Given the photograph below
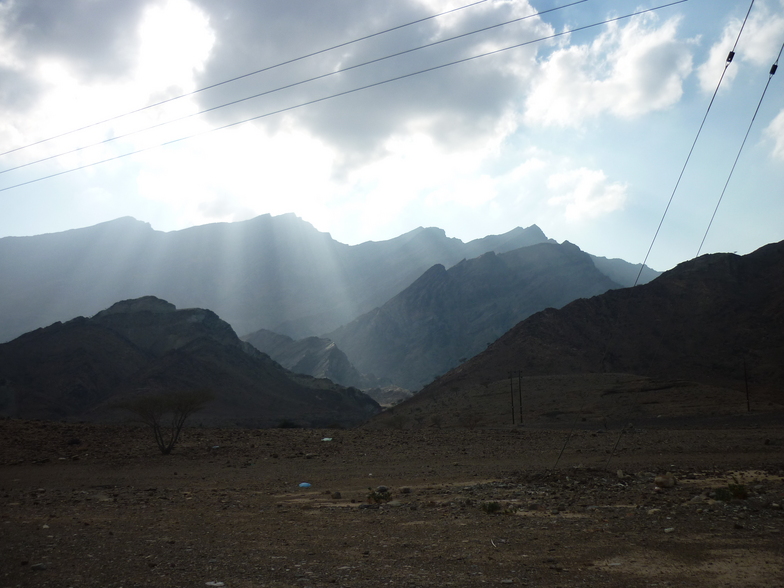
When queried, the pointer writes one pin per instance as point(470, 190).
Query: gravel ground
point(89, 505)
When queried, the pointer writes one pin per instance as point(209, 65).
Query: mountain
point(314, 356)
point(277, 273)
point(77, 369)
point(449, 315)
point(693, 341)
point(624, 273)
point(268, 272)
point(321, 358)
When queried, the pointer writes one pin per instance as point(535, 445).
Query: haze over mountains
point(453, 314)
point(277, 273)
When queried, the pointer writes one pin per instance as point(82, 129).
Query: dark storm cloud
point(452, 105)
point(96, 37)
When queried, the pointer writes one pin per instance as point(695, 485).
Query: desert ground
point(96, 505)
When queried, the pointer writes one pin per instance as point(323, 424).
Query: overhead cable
point(729, 59)
point(246, 75)
point(286, 87)
point(345, 93)
point(773, 69)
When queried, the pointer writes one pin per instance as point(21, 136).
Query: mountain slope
point(269, 272)
point(76, 369)
point(716, 321)
point(449, 315)
point(277, 273)
point(314, 356)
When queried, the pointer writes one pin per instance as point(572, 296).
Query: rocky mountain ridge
point(705, 338)
point(78, 369)
point(450, 315)
point(277, 273)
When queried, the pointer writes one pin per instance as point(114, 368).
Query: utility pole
point(520, 393)
point(511, 393)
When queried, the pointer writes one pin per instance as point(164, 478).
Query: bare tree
point(166, 414)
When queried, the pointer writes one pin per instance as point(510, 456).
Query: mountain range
point(449, 315)
point(706, 337)
point(276, 273)
point(79, 369)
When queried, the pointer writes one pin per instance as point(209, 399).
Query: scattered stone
point(665, 481)
point(669, 530)
point(39, 567)
point(336, 495)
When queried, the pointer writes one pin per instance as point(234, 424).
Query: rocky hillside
point(77, 369)
point(277, 273)
point(314, 356)
point(700, 335)
point(449, 315)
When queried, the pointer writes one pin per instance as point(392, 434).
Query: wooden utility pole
point(520, 393)
point(511, 393)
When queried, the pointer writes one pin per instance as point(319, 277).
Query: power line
point(243, 76)
point(344, 93)
point(730, 57)
point(773, 69)
point(286, 87)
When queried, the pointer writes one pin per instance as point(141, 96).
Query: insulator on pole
point(730, 56)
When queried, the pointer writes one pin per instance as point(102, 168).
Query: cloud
point(775, 131)
point(456, 106)
point(81, 62)
point(585, 194)
point(93, 37)
point(758, 45)
point(627, 71)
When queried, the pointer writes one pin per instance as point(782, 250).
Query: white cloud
point(775, 131)
point(626, 71)
point(758, 45)
point(585, 194)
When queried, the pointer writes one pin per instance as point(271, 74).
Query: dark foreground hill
point(697, 338)
point(449, 315)
point(77, 369)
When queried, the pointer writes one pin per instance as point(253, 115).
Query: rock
point(665, 481)
point(336, 495)
point(39, 567)
point(669, 530)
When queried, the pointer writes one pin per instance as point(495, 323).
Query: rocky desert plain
point(679, 503)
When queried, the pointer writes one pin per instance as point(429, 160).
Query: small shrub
point(738, 491)
point(379, 495)
point(491, 507)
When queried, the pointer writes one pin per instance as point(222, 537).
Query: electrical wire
point(286, 87)
point(773, 69)
point(246, 75)
point(730, 57)
point(344, 93)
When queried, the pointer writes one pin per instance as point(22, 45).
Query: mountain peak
point(143, 304)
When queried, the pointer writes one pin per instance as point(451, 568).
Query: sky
point(583, 133)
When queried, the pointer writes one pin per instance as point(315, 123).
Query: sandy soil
point(88, 505)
